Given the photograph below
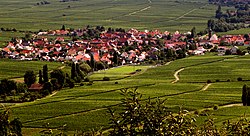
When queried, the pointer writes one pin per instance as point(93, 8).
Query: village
point(128, 47)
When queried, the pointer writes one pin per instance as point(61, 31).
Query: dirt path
point(168, 63)
point(176, 75)
point(231, 105)
point(205, 87)
point(135, 12)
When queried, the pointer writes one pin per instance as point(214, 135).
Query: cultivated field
point(83, 108)
point(170, 15)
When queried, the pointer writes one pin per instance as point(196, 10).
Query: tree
point(29, 78)
point(45, 73)
point(148, 117)
point(40, 77)
point(48, 86)
point(7, 86)
point(85, 67)
point(92, 62)
point(21, 88)
point(63, 27)
point(193, 32)
point(60, 76)
point(218, 12)
point(73, 71)
point(115, 58)
point(7, 127)
point(247, 7)
point(244, 95)
point(80, 73)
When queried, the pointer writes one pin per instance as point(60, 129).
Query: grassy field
point(170, 15)
point(15, 68)
point(85, 107)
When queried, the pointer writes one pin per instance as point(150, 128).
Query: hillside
point(85, 107)
point(169, 15)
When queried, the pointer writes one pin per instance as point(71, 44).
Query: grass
point(118, 72)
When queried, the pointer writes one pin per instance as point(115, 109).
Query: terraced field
point(84, 108)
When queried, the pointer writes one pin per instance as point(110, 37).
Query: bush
point(138, 70)
point(228, 80)
point(81, 84)
point(217, 80)
point(209, 81)
point(216, 107)
point(85, 67)
point(86, 79)
point(106, 78)
point(116, 82)
point(239, 79)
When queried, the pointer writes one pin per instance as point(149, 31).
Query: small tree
point(244, 95)
point(115, 58)
point(92, 62)
point(45, 73)
point(29, 78)
point(7, 86)
point(63, 27)
point(193, 32)
point(7, 127)
point(60, 76)
point(73, 71)
point(21, 88)
point(40, 77)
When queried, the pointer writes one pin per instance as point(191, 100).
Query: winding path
point(176, 75)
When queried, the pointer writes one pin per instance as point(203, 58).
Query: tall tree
point(115, 58)
point(244, 95)
point(218, 12)
point(193, 32)
point(29, 78)
point(73, 71)
point(92, 62)
point(63, 27)
point(40, 77)
point(45, 73)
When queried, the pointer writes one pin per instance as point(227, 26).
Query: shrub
point(209, 81)
point(85, 67)
point(106, 78)
point(239, 79)
point(216, 107)
point(81, 84)
point(148, 118)
point(197, 112)
point(86, 79)
point(138, 70)
point(217, 80)
point(116, 82)
point(228, 80)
